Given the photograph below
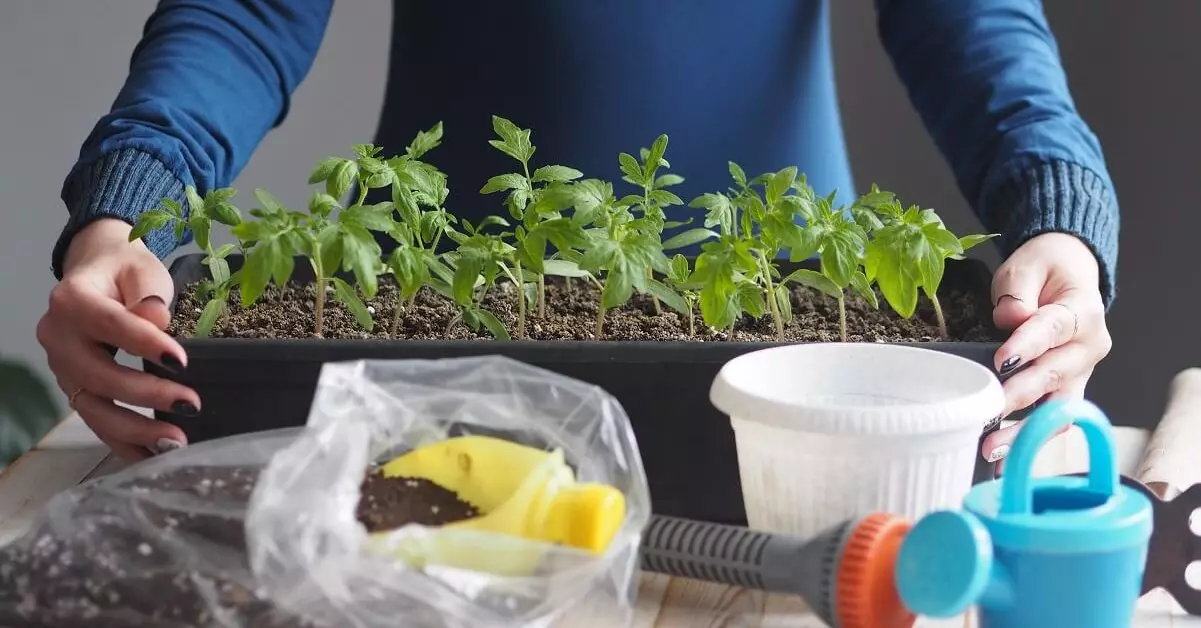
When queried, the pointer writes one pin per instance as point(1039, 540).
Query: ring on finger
point(1075, 318)
point(72, 396)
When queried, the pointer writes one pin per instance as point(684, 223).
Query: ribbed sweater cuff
point(1059, 197)
point(120, 185)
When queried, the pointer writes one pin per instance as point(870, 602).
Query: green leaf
point(751, 299)
point(815, 280)
point(720, 211)
point(409, 270)
point(896, 283)
point(564, 233)
point(737, 173)
point(322, 204)
point(969, 241)
point(208, 317)
point(150, 220)
point(425, 141)
point(347, 296)
point(219, 269)
point(665, 198)
point(27, 409)
point(467, 271)
point(201, 228)
point(779, 184)
point(688, 238)
point(619, 287)
point(361, 255)
point(631, 168)
point(863, 288)
point(224, 250)
point(492, 324)
point(376, 217)
point(173, 207)
point(668, 180)
point(256, 272)
point(563, 268)
point(556, 173)
point(195, 203)
point(840, 257)
point(668, 297)
point(343, 176)
point(784, 302)
point(269, 202)
point(224, 213)
point(324, 169)
point(655, 158)
point(678, 272)
point(502, 182)
point(802, 243)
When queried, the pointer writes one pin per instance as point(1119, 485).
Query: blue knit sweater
point(753, 84)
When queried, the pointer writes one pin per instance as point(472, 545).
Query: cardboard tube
point(1172, 459)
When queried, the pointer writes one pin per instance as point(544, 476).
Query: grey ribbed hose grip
point(742, 557)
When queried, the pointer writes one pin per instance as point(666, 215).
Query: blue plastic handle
point(1040, 427)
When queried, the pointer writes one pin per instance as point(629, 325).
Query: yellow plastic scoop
point(520, 491)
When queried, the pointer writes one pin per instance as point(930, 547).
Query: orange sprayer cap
point(865, 590)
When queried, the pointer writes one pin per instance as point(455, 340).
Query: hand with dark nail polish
point(113, 296)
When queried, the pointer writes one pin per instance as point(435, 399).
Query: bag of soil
point(297, 529)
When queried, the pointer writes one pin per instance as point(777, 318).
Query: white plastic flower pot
point(830, 431)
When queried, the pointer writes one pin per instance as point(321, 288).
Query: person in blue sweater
point(751, 82)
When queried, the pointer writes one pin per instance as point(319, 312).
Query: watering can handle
point(1170, 461)
point(1048, 420)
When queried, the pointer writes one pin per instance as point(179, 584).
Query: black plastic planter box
point(248, 385)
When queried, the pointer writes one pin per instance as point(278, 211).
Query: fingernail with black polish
point(171, 362)
point(185, 408)
point(1008, 365)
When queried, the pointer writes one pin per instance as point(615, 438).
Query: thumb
point(146, 289)
point(1015, 294)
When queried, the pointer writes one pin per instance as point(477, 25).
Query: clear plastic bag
point(260, 530)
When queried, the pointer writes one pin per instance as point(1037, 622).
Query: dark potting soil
point(389, 503)
point(103, 570)
point(571, 315)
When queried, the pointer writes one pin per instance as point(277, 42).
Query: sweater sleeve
point(207, 81)
point(986, 78)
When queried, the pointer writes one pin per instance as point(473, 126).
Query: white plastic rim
point(830, 432)
point(858, 388)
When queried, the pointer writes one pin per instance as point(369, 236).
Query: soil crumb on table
point(571, 315)
point(389, 503)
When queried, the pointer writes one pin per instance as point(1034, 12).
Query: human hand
point(114, 293)
point(1048, 294)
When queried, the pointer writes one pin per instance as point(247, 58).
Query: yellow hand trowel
point(529, 495)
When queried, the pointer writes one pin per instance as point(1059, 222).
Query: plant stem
point(691, 321)
point(600, 322)
point(319, 306)
point(650, 274)
point(771, 298)
point(730, 332)
point(541, 294)
point(942, 320)
point(570, 287)
point(842, 317)
point(396, 317)
point(520, 301)
point(362, 194)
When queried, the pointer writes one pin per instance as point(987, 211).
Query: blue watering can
point(1061, 552)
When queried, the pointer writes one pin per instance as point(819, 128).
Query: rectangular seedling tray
point(248, 385)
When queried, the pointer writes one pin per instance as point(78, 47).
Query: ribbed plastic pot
point(826, 432)
point(688, 448)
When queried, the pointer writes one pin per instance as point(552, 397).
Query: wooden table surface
point(70, 454)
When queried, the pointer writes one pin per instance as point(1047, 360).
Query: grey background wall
point(1133, 71)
